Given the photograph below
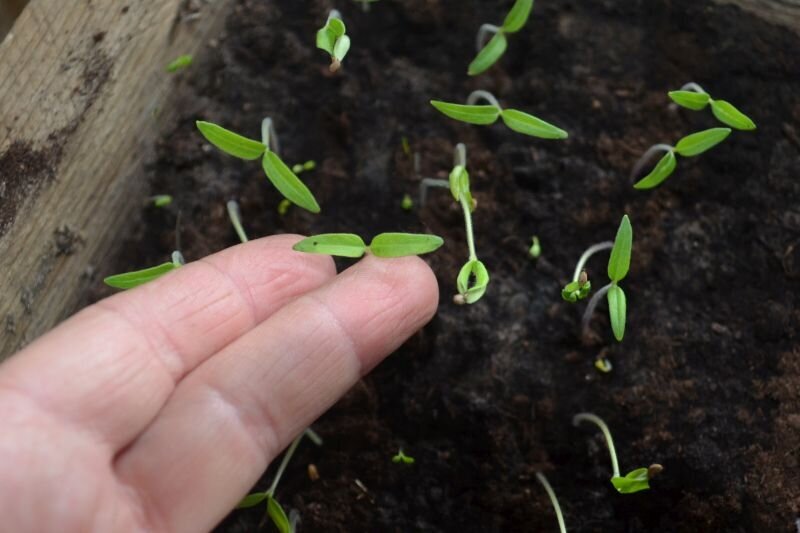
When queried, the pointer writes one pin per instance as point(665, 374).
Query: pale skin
point(158, 408)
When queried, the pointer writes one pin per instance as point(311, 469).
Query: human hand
point(158, 408)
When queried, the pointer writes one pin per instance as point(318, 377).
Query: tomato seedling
point(490, 51)
point(278, 173)
point(486, 114)
point(129, 280)
point(333, 39)
point(553, 500)
point(400, 457)
point(635, 480)
point(383, 245)
point(692, 96)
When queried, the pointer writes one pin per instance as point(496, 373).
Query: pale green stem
point(474, 96)
point(236, 219)
point(596, 297)
point(594, 419)
point(483, 34)
point(429, 182)
point(590, 251)
point(692, 86)
point(553, 500)
point(177, 258)
point(268, 135)
point(285, 461)
point(468, 225)
point(333, 14)
point(313, 436)
point(637, 168)
point(460, 155)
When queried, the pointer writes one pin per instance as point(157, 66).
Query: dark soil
point(707, 380)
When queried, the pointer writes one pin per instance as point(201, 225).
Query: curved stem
point(333, 14)
point(177, 258)
point(637, 168)
point(590, 251)
point(594, 419)
point(474, 96)
point(313, 436)
point(468, 225)
point(285, 461)
point(268, 134)
point(587, 315)
point(692, 86)
point(236, 219)
point(553, 500)
point(460, 155)
point(425, 184)
point(483, 33)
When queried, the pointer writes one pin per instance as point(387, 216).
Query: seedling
point(580, 286)
point(400, 457)
point(133, 279)
point(618, 265)
point(692, 96)
point(689, 146)
point(236, 219)
point(180, 63)
point(483, 115)
point(536, 248)
point(553, 500)
point(304, 167)
point(489, 52)
point(281, 176)
point(635, 480)
point(333, 39)
point(160, 200)
point(406, 203)
point(383, 245)
point(274, 509)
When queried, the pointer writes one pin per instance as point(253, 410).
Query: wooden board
point(83, 95)
point(782, 12)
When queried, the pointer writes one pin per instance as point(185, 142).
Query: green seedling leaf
point(327, 35)
point(620, 259)
point(406, 204)
point(634, 481)
point(402, 458)
point(727, 114)
point(472, 280)
point(162, 200)
point(130, 280)
point(251, 500)
point(536, 248)
point(231, 143)
point(489, 54)
point(459, 183)
point(341, 48)
point(472, 114)
point(699, 142)
point(179, 63)
point(690, 99)
point(278, 516)
point(662, 170)
point(530, 125)
point(402, 244)
point(288, 183)
point(518, 16)
point(617, 309)
point(340, 244)
point(574, 291)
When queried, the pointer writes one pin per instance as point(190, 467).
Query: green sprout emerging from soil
point(400, 457)
point(692, 96)
point(689, 146)
point(133, 279)
point(333, 39)
point(635, 480)
point(484, 115)
point(618, 265)
point(236, 220)
point(536, 248)
point(180, 63)
point(160, 200)
point(274, 510)
point(383, 245)
point(553, 500)
point(281, 176)
point(489, 52)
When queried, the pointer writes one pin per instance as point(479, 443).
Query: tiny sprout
point(236, 219)
point(281, 176)
point(484, 115)
point(490, 52)
point(405, 145)
point(635, 480)
point(283, 207)
point(553, 500)
point(133, 279)
point(161, 200)
point(407, 203)
point(180, 63)
point(274, 509)
point(304, 167)
point(536, 248)
point(689, 146)
point(692, 96)
point(603, 365)
point(383, 245)
point(400, 457)
point(332, 39)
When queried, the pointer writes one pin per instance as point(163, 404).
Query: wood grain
point(83, 95)
point(782, 12)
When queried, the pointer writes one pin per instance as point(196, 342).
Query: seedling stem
point(543, 480)
point(656, 148)
point(425, 184)
point(177, 258)
point(474, 96)
point(596, 420)
point(483, 35)
point(590, 251)
point(236, 219)
point(268, 134)
point(692, 86)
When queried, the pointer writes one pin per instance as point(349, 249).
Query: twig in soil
point(486, 114)
point(333, 39)
point(635, 480)
point(553, 500)
point(490, 50)
point(278, 173)
point(692, 96)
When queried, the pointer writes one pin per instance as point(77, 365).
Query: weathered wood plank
point(782, 12)
point(83, 95)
